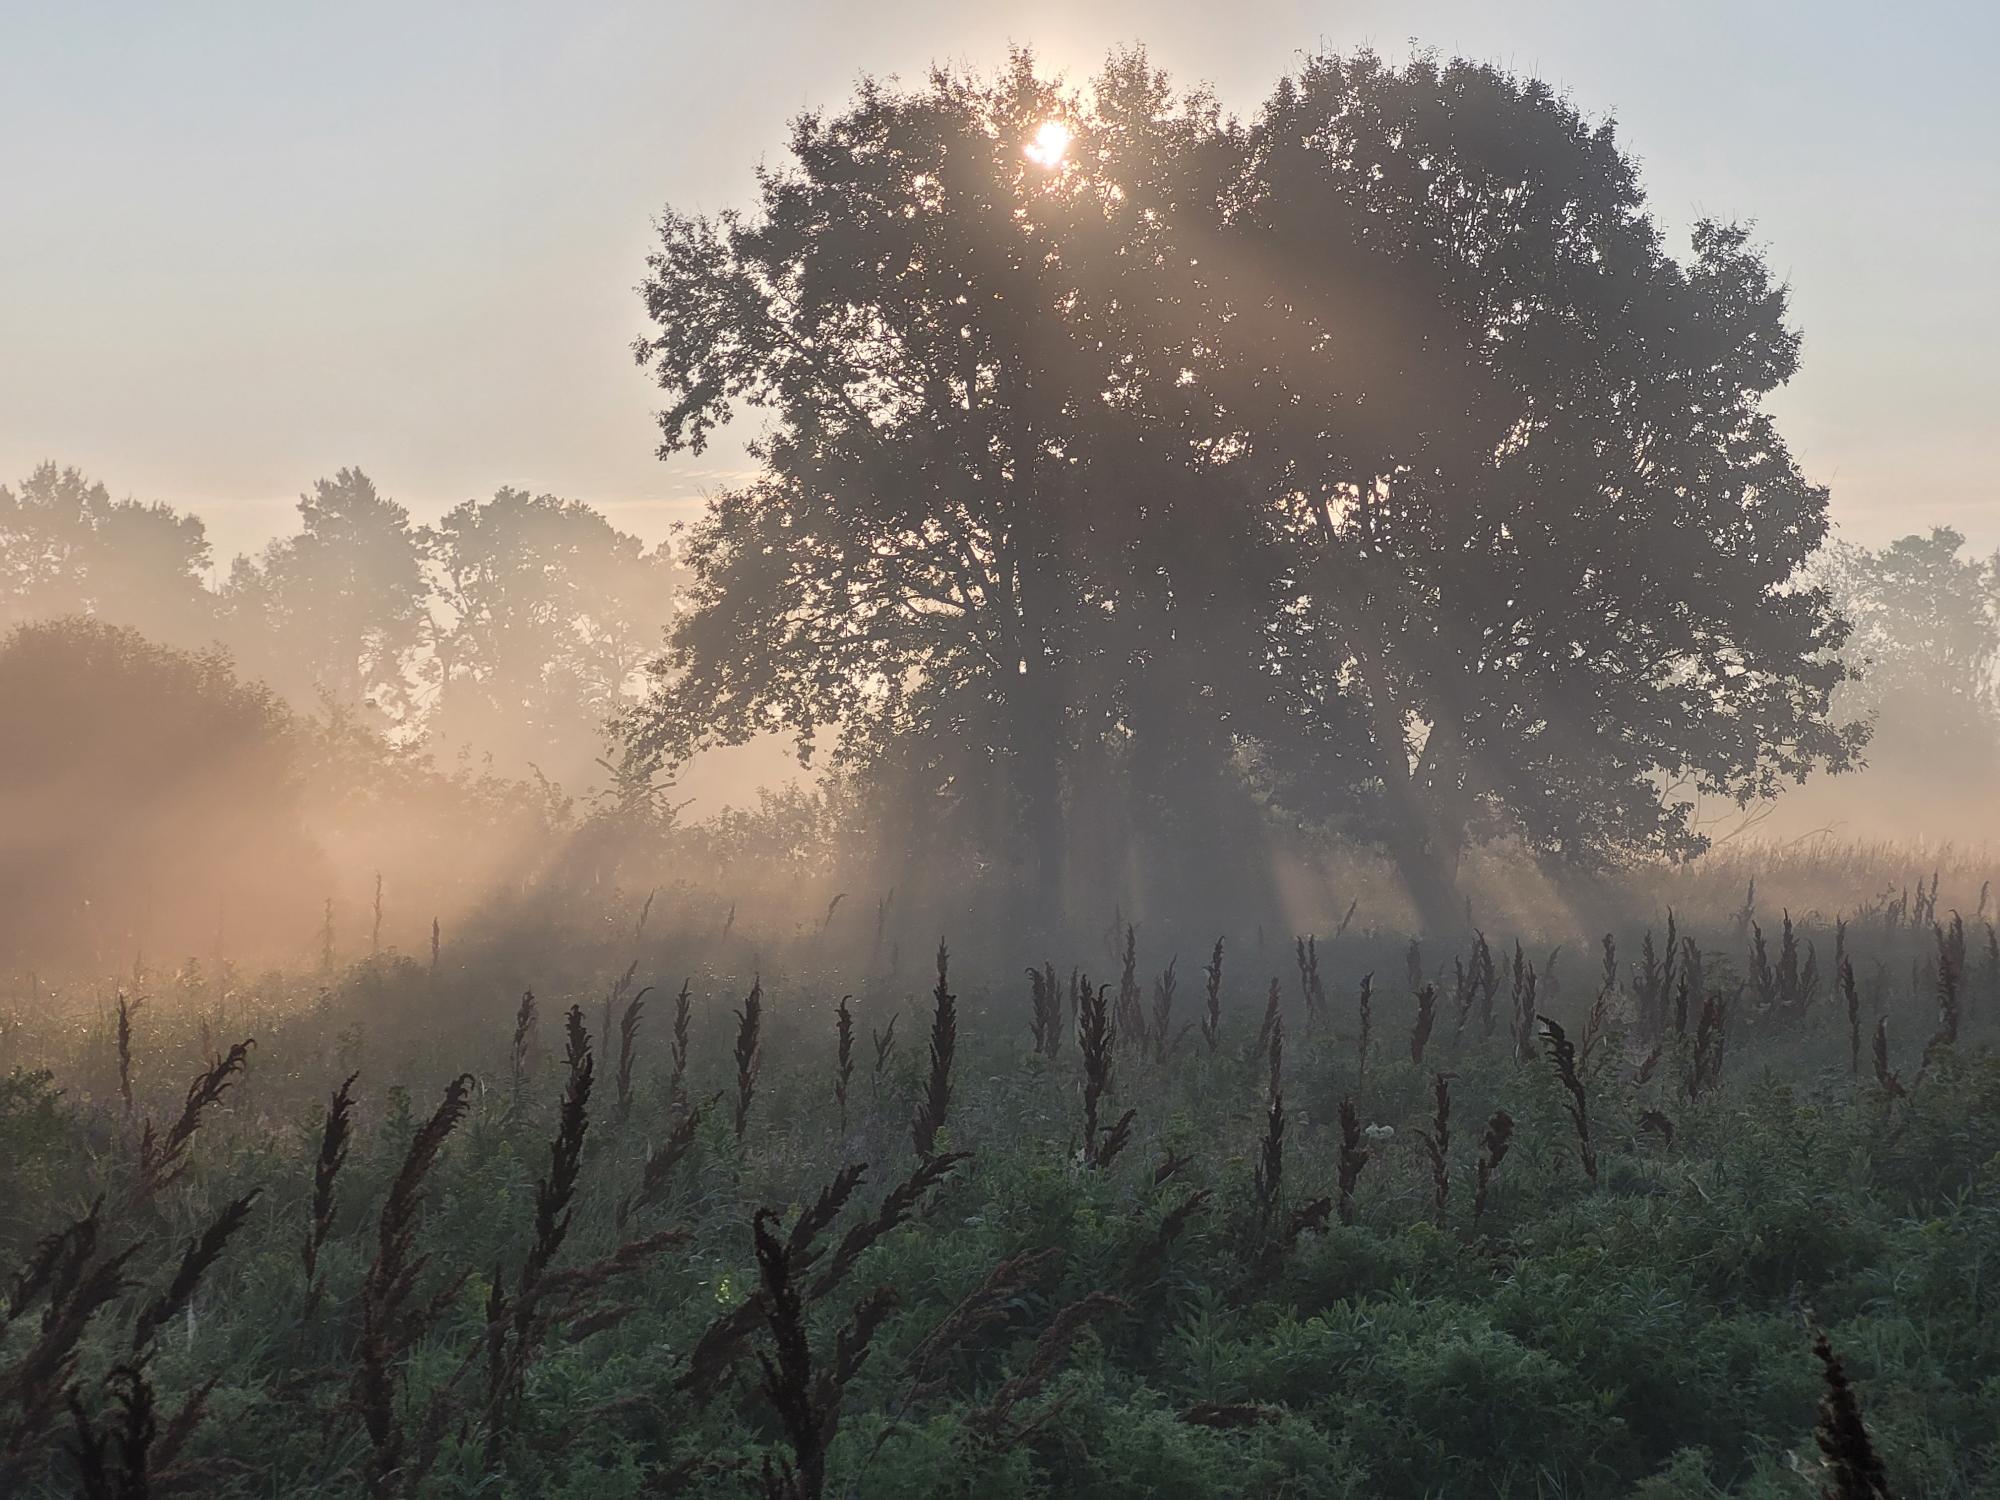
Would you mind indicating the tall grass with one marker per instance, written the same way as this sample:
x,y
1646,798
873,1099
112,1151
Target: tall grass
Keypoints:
x,y
843,1056
749,1053
393,1317
335,1136
1095,1040
1211,1020
935,1104
756,1353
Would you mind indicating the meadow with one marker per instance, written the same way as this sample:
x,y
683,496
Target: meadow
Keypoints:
x,y
898,982
1710,1210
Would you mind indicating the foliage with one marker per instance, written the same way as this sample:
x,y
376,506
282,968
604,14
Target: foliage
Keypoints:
x,y
514,628
66,548
676,1306
334,611
542,618
1380,444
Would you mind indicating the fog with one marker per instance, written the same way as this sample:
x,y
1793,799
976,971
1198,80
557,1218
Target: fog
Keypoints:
x,y
166,805
1133,533
1261,838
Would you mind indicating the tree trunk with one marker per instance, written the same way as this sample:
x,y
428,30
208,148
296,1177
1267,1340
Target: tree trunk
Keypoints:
x,y
1039,702
1417,837
1431,882
1038,788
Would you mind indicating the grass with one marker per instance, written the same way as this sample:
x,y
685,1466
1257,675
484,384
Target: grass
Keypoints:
x,y
398,1247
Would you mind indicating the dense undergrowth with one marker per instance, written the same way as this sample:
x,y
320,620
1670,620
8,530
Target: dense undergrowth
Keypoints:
x,y
1398,1236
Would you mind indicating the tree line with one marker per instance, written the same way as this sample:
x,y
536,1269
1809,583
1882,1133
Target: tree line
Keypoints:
x,y
517,626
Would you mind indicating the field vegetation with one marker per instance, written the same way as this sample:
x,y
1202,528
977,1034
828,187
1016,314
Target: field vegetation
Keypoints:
x,y
1707,1208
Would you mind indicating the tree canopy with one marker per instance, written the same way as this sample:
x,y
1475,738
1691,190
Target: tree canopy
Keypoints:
x,y
1923,653
66,548
1374,458
335,610
959,558
1549,539
542,618
516,628
1926,628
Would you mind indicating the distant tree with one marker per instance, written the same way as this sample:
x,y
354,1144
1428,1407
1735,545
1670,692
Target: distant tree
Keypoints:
x,y
336,611
1924,651
151,797
66,548
1380,449
544,617
1926,629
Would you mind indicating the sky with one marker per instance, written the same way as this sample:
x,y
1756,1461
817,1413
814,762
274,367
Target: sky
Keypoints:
x,y
243,245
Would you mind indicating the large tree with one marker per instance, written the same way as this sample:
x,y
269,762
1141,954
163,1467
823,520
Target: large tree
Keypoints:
x,y
1547,540
977,518
1381,447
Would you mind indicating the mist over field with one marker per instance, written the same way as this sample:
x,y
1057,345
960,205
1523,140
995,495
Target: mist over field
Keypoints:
x,y
1262,835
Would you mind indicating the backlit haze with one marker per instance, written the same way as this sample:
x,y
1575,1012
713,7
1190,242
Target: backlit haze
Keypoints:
x,y
242,246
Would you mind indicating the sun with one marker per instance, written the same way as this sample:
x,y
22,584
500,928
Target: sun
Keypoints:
x,y
1049,144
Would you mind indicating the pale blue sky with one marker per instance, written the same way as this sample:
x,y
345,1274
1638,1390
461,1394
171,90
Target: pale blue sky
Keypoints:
x,y
244,244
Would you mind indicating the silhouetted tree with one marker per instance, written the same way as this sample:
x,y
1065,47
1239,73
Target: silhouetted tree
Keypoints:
x,y
1380,447
985,543
1546,538
1925,646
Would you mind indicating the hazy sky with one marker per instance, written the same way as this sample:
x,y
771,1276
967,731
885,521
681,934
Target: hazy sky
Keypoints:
x,y
242,245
